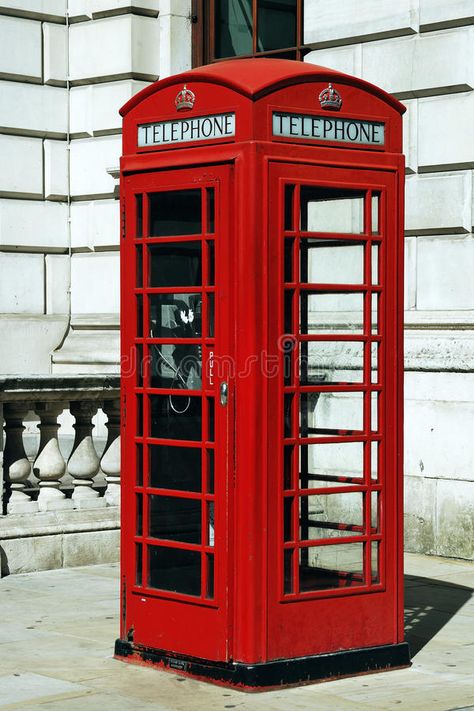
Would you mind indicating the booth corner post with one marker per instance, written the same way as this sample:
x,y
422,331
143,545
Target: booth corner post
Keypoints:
x,y
262,376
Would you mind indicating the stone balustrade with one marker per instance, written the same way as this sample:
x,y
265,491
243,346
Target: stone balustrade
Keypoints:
x,y
48,480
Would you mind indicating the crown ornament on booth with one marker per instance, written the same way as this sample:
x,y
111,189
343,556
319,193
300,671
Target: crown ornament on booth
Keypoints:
x,y
330,99
184,99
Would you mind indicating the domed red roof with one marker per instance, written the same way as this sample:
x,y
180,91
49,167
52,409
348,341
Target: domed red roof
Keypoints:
x,y
259,76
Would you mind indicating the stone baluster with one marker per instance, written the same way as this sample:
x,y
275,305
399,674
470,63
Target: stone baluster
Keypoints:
x,y
110,462
83,464
16,465
49,464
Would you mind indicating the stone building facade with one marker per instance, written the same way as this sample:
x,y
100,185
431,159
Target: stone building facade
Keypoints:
x,y
66,66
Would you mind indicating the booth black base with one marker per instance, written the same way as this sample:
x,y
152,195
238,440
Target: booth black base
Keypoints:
x,y
269,675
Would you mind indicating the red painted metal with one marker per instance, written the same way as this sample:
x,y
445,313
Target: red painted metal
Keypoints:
x,y
251,617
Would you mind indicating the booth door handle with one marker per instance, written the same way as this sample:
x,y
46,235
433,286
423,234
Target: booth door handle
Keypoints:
x,y
224,391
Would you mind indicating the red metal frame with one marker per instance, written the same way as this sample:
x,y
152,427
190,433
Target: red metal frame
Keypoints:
x,y
251,620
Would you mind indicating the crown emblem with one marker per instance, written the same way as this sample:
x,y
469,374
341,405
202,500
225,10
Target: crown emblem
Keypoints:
x,y
184,99
330,99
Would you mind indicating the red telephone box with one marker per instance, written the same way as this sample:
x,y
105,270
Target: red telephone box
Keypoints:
x,y
262,261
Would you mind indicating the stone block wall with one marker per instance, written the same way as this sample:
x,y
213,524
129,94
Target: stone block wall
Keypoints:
x,y
422,52
66,67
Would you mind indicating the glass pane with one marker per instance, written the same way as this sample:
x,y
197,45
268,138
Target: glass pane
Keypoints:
x,y
210,523
210,210
139,464
233,28
331,516
331,313
375,264
139,514
375,515
175,417
175,264
177,468
210,264
288,416
326,462
375,213
210,419
335,566
288,346
289,244
331,261
374,459
139,316
375,548
139,364
289,203
210,315
375,313
139,404
332,210
139,267
374,357
210,471
139,208
288,519
175,213
210,576
174,569
288,467
288,572
175,366
331,362
175,315
174,519
276,23
328,414
289,311
138,564
374,400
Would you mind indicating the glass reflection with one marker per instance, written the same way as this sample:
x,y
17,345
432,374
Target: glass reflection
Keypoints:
x,y
276,23
175,417
332,261
332,210
331,414
233,28
175,212
175,315
331,462
335,566
329,313
331,516
174,519
175,264
177,468
176,366
331,362
174,569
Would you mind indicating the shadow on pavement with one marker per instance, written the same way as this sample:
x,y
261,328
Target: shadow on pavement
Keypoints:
x,y
429,605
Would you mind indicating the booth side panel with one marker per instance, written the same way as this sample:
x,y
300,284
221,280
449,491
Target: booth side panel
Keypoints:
x,y
400,236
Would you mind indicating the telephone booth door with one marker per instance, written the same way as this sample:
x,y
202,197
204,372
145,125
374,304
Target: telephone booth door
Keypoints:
x,y
178,438
332,570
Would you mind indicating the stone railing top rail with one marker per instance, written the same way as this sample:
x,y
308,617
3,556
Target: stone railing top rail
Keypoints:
x,y
59,387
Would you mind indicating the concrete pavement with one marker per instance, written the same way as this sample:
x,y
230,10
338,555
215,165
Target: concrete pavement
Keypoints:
x,y
58,629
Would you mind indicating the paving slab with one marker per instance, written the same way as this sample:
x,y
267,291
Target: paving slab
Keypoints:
x,y
58,630
23,687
